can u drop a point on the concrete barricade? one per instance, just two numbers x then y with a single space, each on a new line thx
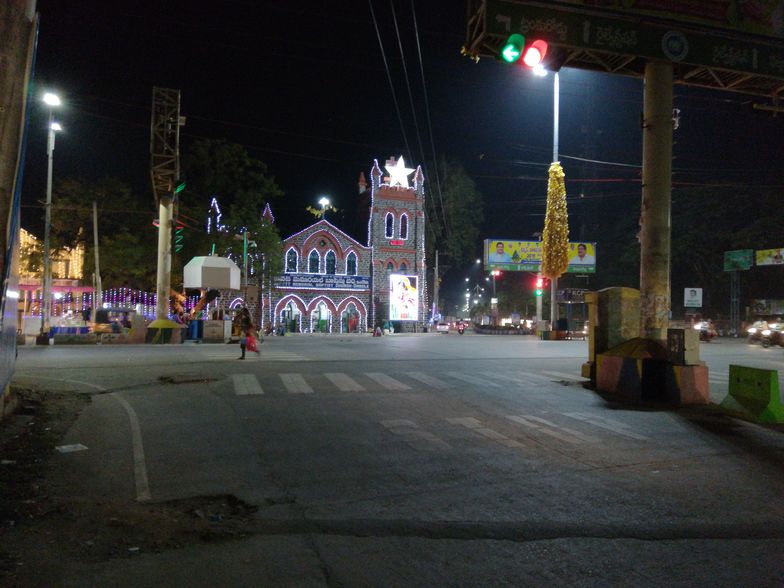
754 394
638 370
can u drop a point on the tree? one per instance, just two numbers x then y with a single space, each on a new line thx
127 238
454 226
222 170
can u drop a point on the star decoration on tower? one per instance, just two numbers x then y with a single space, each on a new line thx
398 173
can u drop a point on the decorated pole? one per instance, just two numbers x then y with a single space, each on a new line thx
555 237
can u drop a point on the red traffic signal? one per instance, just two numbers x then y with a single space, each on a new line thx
534 54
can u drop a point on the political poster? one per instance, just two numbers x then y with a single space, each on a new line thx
403 298
526 256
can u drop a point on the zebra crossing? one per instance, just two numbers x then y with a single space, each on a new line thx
232 352
523 432
247 384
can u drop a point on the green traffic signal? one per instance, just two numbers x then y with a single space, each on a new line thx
180 187
538 292
513 48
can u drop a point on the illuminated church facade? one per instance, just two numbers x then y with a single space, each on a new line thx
332 283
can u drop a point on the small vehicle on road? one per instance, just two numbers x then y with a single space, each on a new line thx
706 329
461 327
756 330
442 328
773 335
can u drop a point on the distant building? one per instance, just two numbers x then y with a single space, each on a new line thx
332 283
68 289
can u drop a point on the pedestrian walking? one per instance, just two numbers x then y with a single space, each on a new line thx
245 327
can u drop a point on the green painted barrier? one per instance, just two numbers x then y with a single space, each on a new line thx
754 393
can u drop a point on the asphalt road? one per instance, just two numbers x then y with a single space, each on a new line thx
422 460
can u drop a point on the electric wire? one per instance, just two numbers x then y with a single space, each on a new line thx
389 77
437 173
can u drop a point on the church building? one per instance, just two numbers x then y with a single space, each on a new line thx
334 284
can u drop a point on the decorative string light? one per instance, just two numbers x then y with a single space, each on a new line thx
555 237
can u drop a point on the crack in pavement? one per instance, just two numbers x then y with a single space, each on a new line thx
517 531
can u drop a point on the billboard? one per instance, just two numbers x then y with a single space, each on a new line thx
403 298
769 256
740 259
692 297
526 256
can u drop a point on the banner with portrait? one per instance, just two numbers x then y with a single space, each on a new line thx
526 256
403 298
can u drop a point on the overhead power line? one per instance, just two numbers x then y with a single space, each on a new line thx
389 77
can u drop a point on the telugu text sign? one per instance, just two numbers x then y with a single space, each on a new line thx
526 256
569 26
322 282
761 17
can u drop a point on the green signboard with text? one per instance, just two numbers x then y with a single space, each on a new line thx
740 259
568 26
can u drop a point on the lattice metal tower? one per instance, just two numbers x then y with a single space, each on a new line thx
165 173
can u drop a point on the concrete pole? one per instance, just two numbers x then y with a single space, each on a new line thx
656 198
164 258
46 301
98 298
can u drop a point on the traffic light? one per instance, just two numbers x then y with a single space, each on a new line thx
513 48
180 187
178 238
539 286
533 53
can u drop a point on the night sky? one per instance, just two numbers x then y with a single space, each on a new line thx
303 86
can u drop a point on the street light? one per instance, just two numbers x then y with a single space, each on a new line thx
324 201
51 100
495 274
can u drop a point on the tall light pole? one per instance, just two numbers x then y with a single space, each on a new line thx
52 101
541 71
556 115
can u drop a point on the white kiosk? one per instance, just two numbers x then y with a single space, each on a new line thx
213 273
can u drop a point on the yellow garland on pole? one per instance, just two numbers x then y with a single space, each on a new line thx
555 238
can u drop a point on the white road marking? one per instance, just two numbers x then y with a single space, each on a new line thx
344 382
71 448
605 423
139 463
296 384
429 380
565 376
386 381
476 426
266 355
474 380
518 378
549 428
246 385
80 382
413 435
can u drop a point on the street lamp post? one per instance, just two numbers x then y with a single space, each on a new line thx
51 100
556 116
